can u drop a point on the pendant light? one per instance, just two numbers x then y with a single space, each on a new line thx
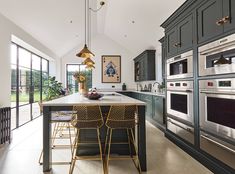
221 61
85 52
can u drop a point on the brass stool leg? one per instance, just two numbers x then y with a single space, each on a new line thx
136 152
70 139
106 140
74 151
100 147
110 141
129 142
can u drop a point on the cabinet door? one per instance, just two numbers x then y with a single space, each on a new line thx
171 41
158 109
229 11
185 33
148 100
208 14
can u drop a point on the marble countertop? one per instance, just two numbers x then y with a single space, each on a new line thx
133 90
109 98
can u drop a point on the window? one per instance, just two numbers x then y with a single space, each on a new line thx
29 74
71 84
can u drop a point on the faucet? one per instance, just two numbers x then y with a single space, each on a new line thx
158 86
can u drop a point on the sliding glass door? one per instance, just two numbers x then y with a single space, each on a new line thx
28 70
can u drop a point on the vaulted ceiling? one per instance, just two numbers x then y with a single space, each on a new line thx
59 25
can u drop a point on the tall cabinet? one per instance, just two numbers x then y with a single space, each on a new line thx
196 23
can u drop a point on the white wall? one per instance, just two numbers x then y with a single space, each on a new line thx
7 29
103 45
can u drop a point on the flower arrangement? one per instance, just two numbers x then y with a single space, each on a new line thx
80 77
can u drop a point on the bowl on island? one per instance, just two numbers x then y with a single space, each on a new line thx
93 95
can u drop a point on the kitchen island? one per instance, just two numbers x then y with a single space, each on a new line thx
110 98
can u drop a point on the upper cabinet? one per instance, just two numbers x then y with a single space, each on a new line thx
215 17
145 66
180 37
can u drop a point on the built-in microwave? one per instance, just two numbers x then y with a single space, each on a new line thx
180 101
217 57
180 66
217 118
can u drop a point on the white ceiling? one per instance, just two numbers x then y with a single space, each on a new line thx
49 21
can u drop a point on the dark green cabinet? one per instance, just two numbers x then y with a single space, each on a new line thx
158 110
180 37
208 17
148 100
215 17
229 14
171 42
145 66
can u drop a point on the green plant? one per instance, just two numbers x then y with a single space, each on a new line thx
53 89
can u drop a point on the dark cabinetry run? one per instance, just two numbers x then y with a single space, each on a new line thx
158 108
145 66
180 37
214 18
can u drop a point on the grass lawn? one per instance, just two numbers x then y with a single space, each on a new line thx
24 97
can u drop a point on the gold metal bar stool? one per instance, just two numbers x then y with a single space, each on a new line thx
86 117
122 117
61 121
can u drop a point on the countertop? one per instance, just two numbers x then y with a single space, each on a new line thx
109 98
133 90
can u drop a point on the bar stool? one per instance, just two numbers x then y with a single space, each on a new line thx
86 117
61 121
122 117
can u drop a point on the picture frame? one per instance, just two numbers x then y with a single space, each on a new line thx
111 68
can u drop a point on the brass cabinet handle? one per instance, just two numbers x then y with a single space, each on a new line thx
226 19
220 22
177 44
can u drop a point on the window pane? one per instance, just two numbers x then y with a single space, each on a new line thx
13 86
36 62
13 54
72 68
24 58
13 118
24 114
36 78
44 65
35 110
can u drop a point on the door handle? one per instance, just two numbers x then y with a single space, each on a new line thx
177 44
226 19
220 22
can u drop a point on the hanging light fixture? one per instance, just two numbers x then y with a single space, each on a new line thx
85 52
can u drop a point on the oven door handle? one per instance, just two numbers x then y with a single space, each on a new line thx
219 144
186 129
187 90
217 92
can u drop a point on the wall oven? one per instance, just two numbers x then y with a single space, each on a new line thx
180 66
217 57
180 101
217 118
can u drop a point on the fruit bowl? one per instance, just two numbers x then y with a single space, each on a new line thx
93 96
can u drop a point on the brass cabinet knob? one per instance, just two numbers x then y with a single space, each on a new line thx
226 19
220 22
177 44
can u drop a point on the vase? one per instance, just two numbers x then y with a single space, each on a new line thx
82 88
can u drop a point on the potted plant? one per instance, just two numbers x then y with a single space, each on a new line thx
54 89
80 77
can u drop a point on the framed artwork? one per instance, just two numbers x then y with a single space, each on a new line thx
111 69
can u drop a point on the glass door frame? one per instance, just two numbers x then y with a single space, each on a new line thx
31 85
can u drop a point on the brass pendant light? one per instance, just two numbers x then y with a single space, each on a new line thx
85 52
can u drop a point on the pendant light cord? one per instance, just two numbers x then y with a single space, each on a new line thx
85 21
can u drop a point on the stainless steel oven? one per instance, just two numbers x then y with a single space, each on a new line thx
217 57
180 101
217 118
180 66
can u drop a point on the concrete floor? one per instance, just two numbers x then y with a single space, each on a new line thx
163 157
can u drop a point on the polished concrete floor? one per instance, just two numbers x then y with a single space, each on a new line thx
21 157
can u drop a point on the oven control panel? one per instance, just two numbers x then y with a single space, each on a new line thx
223 84
180 85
